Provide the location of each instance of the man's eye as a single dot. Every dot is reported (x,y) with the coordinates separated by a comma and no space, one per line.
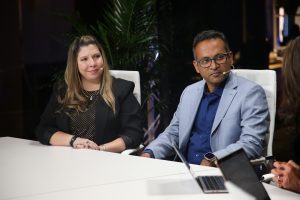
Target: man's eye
(204,60)
(220,57)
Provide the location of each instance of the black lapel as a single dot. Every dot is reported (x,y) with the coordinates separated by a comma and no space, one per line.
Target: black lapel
(102,111)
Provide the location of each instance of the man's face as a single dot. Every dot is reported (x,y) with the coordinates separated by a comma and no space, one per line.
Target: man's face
(212,70)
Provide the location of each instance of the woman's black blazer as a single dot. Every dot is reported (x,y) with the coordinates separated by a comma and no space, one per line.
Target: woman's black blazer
(125,123)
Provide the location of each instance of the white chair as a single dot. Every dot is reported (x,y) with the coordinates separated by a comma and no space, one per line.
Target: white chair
(267,79)
(133,76)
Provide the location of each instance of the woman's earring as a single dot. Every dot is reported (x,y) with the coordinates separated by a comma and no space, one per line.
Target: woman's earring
(232,66)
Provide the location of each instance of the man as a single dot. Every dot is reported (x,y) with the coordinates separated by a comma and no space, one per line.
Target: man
(217,115)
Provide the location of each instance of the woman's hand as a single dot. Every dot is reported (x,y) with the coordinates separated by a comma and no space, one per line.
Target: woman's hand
(287,175)
(82,143)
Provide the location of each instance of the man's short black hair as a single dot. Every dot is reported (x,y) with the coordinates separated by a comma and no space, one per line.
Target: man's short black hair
(209,34)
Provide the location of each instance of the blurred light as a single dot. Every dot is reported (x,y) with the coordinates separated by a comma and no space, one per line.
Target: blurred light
(281,23)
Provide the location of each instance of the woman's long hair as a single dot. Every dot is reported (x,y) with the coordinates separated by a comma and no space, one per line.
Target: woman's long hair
(74,98)
(290,107)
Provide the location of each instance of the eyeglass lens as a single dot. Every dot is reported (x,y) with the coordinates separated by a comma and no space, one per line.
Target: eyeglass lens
(218,59)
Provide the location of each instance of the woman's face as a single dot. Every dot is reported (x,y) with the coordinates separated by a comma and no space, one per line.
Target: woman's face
(90,63)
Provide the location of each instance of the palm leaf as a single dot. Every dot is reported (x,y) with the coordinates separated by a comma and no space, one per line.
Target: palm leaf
(131,29)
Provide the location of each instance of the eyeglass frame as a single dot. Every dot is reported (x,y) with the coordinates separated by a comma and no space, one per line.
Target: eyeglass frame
(214,59)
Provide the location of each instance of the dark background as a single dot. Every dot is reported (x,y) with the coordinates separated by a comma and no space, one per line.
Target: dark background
(34,47)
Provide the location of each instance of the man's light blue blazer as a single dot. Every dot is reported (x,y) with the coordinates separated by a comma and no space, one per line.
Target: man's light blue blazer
(242,120)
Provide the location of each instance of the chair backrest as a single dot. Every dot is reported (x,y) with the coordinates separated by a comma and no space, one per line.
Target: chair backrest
(266,79)
(133,76)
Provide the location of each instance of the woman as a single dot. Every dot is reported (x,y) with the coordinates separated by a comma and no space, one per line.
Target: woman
(91,109)
(288,173)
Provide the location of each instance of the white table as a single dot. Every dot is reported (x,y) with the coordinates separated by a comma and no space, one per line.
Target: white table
(29,170)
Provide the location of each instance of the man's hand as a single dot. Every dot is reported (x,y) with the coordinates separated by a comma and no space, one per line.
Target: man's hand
(205,162)
(146,155)
(287,175)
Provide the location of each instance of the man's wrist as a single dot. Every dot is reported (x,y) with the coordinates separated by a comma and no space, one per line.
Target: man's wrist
(211,158)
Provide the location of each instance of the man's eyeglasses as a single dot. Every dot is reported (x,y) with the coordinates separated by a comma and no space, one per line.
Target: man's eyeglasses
(219,59)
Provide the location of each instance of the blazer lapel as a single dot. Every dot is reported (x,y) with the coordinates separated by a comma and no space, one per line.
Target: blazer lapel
(194,104)
(101,116)
(228,94)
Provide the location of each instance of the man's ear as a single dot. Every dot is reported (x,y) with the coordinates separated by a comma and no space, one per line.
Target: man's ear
(231,58)
(196,66)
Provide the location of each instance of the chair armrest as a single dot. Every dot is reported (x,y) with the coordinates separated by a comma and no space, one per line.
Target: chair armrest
(258,161)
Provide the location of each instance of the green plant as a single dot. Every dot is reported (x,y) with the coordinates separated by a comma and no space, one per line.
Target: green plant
(128,32)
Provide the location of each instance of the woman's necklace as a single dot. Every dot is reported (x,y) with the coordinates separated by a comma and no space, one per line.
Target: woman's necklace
(91,94)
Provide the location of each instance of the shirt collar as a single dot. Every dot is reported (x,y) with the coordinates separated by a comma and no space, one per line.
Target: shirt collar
(218,91)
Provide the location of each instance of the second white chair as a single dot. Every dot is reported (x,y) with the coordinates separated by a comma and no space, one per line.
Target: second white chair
(267,80)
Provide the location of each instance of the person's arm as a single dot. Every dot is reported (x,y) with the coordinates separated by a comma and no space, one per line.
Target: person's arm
(48,122)
(117,146)
(161,147)
(60,138)
(254,124)
(287,175)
